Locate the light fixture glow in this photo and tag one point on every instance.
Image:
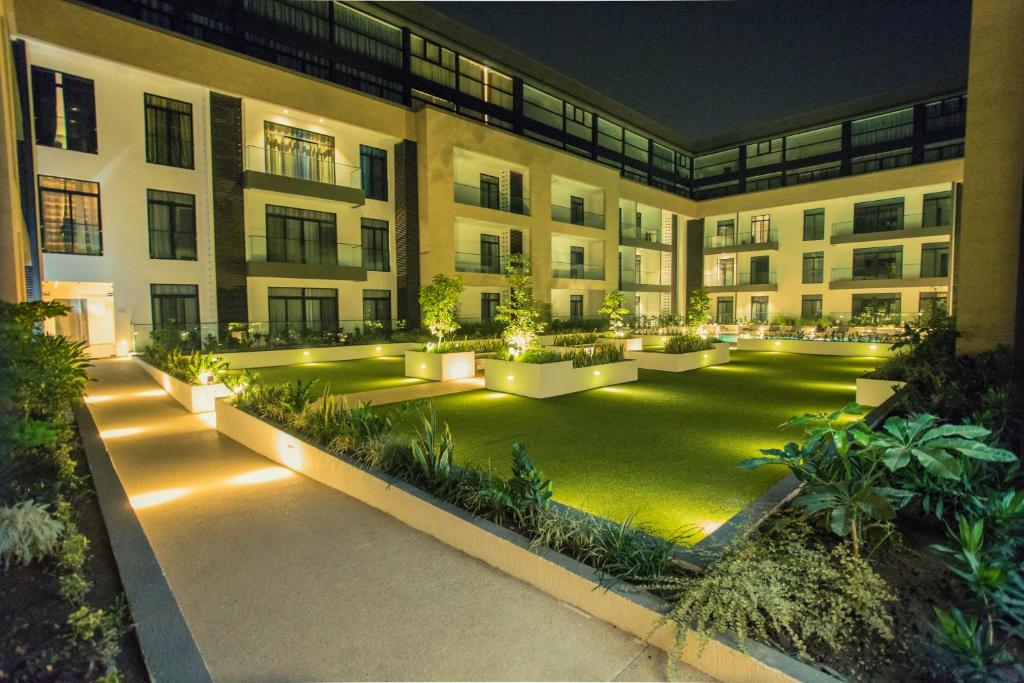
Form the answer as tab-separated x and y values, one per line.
423	366
153	498
711	527
115	433
285	111
873	347
510	378
705	355
596	373
305	353
778	343
377	349
97	399
151	392
261	476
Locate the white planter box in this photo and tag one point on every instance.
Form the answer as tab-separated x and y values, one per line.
315	354
195	399
678	362
722	345
821	348
543	380
440	366
875	392
624	343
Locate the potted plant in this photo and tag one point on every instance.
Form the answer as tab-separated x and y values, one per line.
438	360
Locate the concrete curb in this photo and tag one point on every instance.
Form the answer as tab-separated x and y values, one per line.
170	652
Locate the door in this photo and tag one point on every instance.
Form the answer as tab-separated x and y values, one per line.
759	270
576	268
490	254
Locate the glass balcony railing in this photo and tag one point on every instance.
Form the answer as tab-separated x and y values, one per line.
896	271
474	196
739	279
262	335
301	166
633	276
890	223
471	262
636	232
768	238
565	214
285	250
576	271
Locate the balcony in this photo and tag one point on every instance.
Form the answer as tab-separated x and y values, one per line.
741	282
887	276
745	241
302	175
903	226
565	214
472	195
640	280
642	238
471	262
308	259
576	271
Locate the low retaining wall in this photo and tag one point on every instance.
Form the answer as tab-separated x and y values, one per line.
315	354
543	380
195	399
624	343
815	347
440	366
875	392
639	614
678	362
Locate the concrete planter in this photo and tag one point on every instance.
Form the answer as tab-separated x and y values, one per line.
543	380
624	343
678	362
440	366
195	399
816	347
875	392
315	354
721	345
557	575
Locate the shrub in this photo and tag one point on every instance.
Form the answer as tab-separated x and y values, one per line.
27	533
433	449
601	354
576	339
197	368
521	314
687	343
474	345
614	307
698	309
438	302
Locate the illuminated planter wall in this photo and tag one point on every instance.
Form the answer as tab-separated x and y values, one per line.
440	366
678	362
543	380
195	399
875	392
315	354
821	348
624	343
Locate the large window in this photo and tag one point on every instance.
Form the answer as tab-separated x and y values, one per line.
376	253
576	210
873	130
810	307
931	304
301	236
758	309
814	224
172	225
169	139
64	107
490	253
575	306
431	61
876	309
70	215
878	216
760	228
938	210
489	302
298	153
377	307
301	309
724	310
175	306
373	166
490	192
814	267
759	273
878	263
935	259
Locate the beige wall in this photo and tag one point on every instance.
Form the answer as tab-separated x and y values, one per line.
13	240
990	240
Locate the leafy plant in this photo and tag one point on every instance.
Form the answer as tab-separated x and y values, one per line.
438	303
433	449
698	310
575	339
687	343
520	314
614	306
529	492
965	638
27	533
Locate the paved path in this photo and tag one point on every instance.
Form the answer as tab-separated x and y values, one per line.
281	578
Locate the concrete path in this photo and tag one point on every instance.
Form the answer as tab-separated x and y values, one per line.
281	578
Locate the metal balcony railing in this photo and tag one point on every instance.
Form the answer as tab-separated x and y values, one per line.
632	276
889	223
636	232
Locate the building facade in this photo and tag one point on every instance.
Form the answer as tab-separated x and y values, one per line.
309	166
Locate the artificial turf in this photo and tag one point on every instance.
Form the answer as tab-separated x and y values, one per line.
664	448
344	377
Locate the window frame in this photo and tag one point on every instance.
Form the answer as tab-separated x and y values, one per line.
376	159
377	256
150	136
817	232
173	232
70	193
155	297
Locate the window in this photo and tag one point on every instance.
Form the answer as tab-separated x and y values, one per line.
726	272
814	267
575	306
431	61
764	153
882	160
882	128
814	224
758	309
489	302
65	110
938	210
70	215
810	307
878	263
724	311
576	210
576	258
298	153
175	306
759	274
172	225
931	304
935	259
377	307
490	253
168	132
726	232
876	309
376	252
302	309
878	216
814	143
490	195
301	236
373	167
761	228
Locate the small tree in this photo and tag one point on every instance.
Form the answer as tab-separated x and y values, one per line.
521	313
614	307
698	311
438	301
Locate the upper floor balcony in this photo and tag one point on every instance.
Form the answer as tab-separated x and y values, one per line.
889	275
489	196
309	175
575	215
475	262
757	281
643	279
642	237
308	259
742	241
577	271
894	225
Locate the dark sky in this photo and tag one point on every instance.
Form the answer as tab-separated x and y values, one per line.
705	68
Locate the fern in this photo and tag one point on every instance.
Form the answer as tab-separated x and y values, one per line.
27	533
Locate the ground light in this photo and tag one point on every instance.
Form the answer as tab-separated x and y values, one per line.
154	498
123	431
260	476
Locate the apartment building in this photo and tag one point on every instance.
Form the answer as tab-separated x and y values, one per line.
308	166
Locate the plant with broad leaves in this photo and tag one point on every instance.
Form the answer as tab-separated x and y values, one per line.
965	637
433	449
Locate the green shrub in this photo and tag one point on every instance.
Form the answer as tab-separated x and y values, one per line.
438	303
576	339
196	369
27	533
601	354
474	345
687	343
433	449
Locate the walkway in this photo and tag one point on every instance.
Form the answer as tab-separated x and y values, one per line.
281	578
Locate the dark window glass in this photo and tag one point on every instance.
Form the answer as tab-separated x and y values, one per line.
169	139
810	307
814	224
373	166
575	306
298	153
376	252
301	236
576	258
70	215
724	311
489	305
876	309
65	110
938	210
172	225
879	216
175	306
878	263
935	260
576	210
932	303
758	309
490	253
377	307
760	228
759	274
814	267
490	194
301	309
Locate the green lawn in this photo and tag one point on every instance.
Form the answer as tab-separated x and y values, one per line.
345	377
665	447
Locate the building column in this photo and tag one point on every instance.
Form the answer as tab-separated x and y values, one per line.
407	233
13	236
228	208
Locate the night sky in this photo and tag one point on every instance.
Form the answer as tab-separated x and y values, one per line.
705	68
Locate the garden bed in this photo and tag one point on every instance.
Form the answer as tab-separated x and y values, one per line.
440	367
315	354
816	346
678	362
196	399
624	343
544	380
